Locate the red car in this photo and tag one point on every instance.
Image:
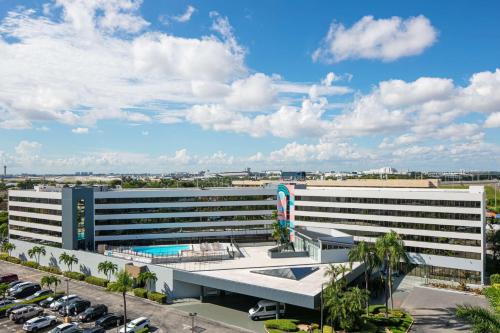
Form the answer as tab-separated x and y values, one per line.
8	278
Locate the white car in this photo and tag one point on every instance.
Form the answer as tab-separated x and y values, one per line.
56	305
37	323
135	325
65	328
17	286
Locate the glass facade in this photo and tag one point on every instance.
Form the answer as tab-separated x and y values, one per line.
391	201
100	201
182	209
442	273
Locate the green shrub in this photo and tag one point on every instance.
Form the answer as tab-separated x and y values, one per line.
110	285
143	330
494	278
287	325
75	275
141	292
326	329
493	296
96	281
13	260
4	256
157	297
377	308
274	331
51	269
31	264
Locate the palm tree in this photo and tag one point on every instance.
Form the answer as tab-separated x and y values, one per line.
107	268
4	230
123	283
36	252
391	250
366	254
49	280
147	278
4	287
8	247
332	271
353	301
68	260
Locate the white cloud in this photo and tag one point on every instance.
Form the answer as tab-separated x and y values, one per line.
27	148
181	157
80	130
186	16
384	39
251	93
493	120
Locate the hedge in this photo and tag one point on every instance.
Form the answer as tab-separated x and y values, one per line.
75	275
13	260
157	297
51	269
495	278
96	281
31	264
4	256
141	292
110	285
287	325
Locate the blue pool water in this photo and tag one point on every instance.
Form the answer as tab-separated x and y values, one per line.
167	250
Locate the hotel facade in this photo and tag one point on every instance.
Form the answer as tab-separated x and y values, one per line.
443	229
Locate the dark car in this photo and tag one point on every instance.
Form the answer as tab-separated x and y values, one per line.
39	293
14	283
46	302
109	321
95	329
94	312
74	308
8	278
26	291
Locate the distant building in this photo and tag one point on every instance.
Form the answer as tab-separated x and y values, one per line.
293	175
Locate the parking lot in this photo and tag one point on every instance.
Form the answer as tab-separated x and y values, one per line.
164	318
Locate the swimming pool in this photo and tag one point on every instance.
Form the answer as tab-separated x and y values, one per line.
167	250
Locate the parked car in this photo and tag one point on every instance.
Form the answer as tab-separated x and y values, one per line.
23	314
46	302
135	325
37	323
16	286
265	309
14	283
94	312
63	301
39	293
26	290
95	329
8	278
110	320
5	302
66	328
74	308
15	307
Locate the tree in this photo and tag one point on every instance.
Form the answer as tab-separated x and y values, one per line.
366	254
49	280
123	283
147	278
8	247
4	230
68	260
4	287
391	250
36	252
107	268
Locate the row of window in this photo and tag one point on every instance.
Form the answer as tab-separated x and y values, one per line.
442	273
180	230
445	253
184	219
34	220
387	201
181	209
418	238
35	210
36	240
36	200
36	231
391	224
100	201
385	212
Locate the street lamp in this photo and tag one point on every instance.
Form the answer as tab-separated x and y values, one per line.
321	306
192	315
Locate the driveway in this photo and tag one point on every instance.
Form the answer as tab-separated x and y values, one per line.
164	318
433	309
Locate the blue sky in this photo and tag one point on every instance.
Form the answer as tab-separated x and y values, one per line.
158	86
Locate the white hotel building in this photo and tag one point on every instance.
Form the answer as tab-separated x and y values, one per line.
443	229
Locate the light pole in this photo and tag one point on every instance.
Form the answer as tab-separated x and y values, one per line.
67	286
321	307
192	315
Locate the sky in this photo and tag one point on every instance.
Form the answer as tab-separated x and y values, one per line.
162	86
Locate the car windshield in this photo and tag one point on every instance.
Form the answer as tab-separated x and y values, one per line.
255	308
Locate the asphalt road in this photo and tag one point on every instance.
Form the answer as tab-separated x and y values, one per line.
164	318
